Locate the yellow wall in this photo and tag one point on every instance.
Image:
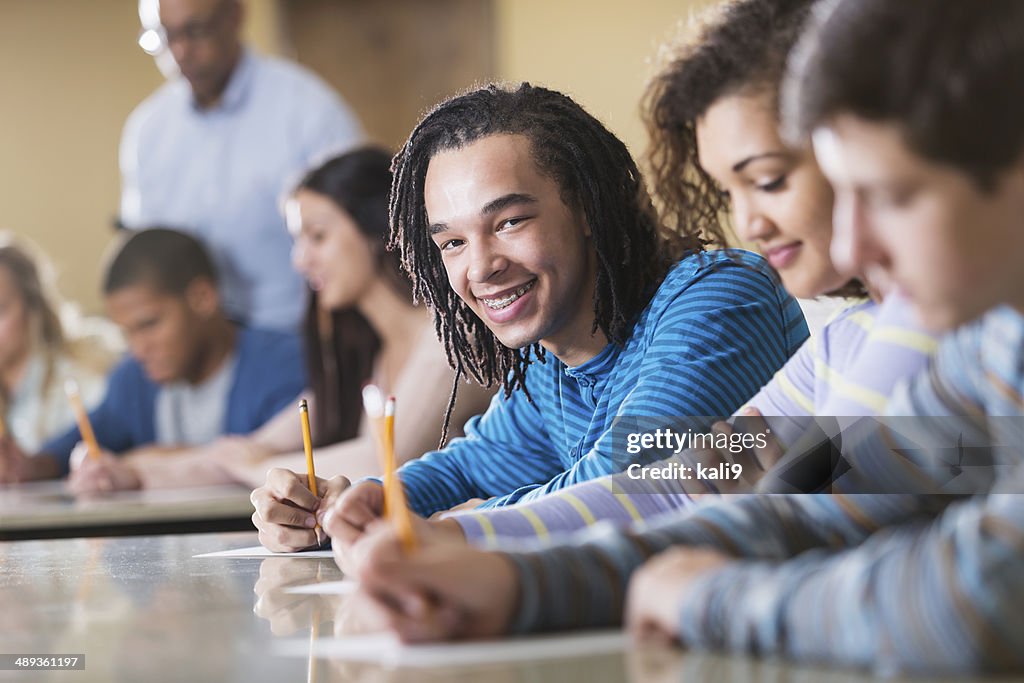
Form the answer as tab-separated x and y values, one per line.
70	72
599	51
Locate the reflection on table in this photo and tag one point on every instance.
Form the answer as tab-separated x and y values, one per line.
143	609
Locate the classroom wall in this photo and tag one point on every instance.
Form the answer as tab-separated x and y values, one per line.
599	51
71	71
392	60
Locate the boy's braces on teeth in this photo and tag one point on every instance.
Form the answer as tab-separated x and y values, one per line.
497	304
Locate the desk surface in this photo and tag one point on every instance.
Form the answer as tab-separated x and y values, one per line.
46	510
143	609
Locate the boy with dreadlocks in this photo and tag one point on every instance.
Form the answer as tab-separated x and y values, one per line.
525	225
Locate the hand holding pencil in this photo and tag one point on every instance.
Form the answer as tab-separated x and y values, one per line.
100	474
286	510
288	504
92	470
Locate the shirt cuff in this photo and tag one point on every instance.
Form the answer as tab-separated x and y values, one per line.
472	529
528	616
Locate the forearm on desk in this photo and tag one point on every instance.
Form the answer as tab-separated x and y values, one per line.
356	459
560	584
940	595
572	509
171	468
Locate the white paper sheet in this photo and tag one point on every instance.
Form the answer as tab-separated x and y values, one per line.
260	551
386	649
343	587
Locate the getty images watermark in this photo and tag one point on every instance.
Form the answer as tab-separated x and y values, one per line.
666	442
922	455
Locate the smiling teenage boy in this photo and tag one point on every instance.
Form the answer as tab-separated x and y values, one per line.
192	374
525	225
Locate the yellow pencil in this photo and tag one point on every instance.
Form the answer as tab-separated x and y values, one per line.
400	515
3	428
84	426
307	445
382	416
388	440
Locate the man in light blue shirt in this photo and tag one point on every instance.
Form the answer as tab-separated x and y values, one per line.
212	151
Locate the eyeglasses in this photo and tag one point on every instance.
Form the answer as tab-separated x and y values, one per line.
155	40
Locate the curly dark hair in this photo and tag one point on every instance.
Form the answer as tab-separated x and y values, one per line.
738	47
732	48
596	176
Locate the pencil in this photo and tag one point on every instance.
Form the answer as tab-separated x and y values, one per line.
307	445
400	514
389	438
3	428
84	426
395	508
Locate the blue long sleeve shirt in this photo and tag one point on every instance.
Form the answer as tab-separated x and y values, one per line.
716	330
268	375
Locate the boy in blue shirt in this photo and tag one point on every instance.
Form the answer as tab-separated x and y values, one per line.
192	374
525	224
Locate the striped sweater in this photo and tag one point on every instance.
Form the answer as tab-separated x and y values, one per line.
890	581
715	331
849	368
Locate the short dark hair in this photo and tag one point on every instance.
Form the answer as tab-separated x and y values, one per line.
947	72
597	177
167	260
736	47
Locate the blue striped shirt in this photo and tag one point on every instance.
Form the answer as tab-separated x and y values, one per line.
715	331
849	368
923	581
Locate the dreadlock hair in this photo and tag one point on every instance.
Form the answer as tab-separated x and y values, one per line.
596	176
739	47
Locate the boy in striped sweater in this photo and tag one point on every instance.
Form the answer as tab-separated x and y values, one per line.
526	226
